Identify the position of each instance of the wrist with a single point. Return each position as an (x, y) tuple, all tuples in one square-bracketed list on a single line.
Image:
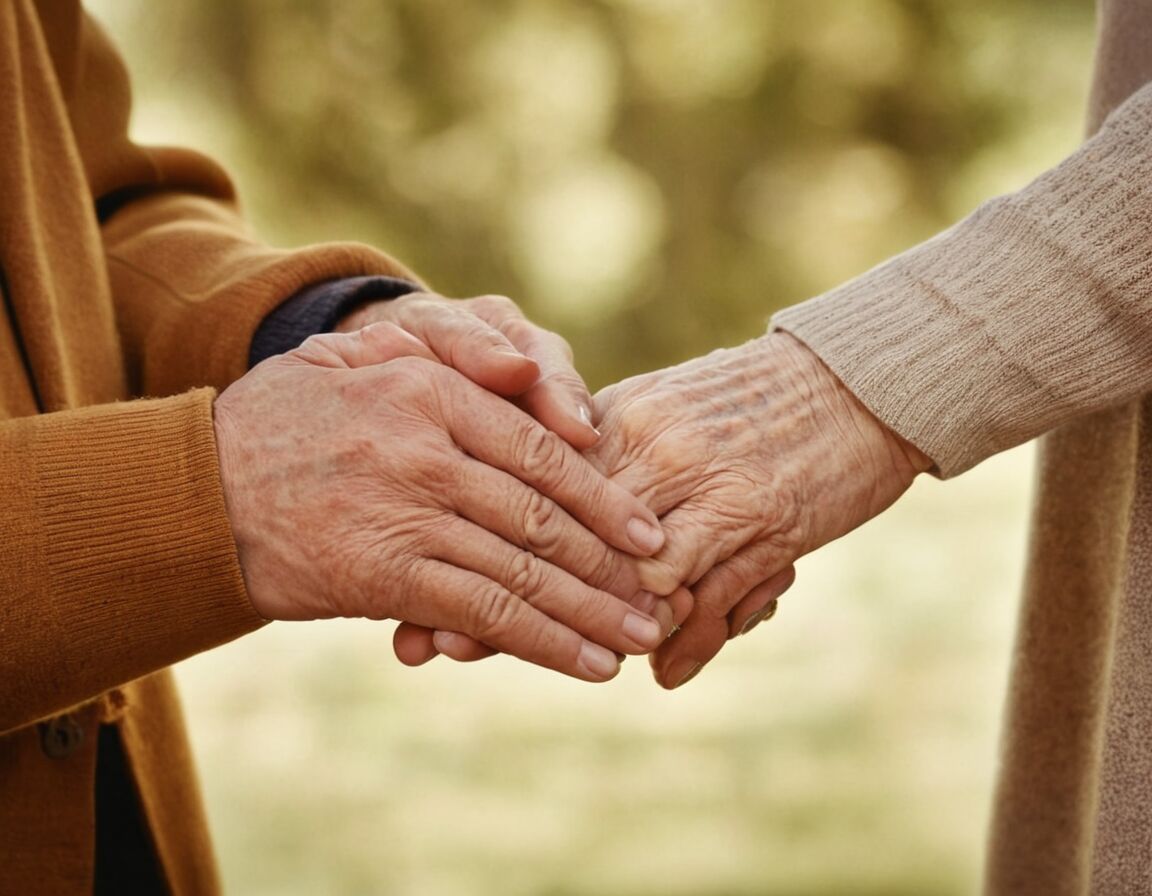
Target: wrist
[(236, 500), (882, 463), (321, 308)]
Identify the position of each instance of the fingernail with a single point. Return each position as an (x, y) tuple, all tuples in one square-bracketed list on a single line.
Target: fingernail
[(586, 419), (599, 661), (643, 630), (645, 536), (756, 618), (683, 672)]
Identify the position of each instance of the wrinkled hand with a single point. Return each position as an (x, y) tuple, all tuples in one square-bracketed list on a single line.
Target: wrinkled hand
[(489, 340), (364, 478), (753, 457)]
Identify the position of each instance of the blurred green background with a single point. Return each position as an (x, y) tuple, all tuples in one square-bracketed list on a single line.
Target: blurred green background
[(652, 178)]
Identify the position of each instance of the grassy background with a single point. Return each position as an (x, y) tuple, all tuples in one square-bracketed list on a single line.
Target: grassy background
[(653, 178)]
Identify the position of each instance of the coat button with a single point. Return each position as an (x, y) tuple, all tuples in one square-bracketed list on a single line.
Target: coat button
[(61, 737)]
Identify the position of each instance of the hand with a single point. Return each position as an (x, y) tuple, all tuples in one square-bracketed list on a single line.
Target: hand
[(364, 478), (489, 341), (752, 457)]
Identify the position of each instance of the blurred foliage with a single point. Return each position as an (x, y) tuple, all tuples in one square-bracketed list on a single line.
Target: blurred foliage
[(651, 177)]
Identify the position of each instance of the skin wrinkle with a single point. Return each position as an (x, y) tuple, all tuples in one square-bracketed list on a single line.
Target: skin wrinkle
[(831, 405), (389, 510), (763, 457)]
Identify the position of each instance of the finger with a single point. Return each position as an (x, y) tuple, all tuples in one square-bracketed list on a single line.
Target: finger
[(724, 588), (679, 659), (529, 520), (759, 604), (680, 602), (375, 344), (507, 439), (413, 644), (703, 531), (715, 596), (465, 341), (461, 648), (559, 399), (425, 643), (594, 614), (450, 598), (657, 607)]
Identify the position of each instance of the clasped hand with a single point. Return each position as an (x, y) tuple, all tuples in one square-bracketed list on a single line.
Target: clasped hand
[(365, 477), (752, 457), (380, 473)]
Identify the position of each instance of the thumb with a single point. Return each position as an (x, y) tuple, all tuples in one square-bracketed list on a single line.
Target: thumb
[(376, 343)]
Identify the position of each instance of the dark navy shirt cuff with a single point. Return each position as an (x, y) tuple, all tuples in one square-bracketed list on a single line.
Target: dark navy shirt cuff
[(316, 309)]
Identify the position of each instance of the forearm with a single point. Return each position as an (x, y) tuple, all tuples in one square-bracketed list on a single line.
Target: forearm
[(1033, 311), (192, 287)]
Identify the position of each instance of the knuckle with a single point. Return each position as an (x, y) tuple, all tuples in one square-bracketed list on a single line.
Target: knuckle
[(540, 523), (562, 345), (658, 575), (540, 452), (567, 379), (525, 574), (493, 614), (496, 305), (436, 474), (320, 349), (786, 521), (409, 380), (313, 342), (408, 370), (518, 329)]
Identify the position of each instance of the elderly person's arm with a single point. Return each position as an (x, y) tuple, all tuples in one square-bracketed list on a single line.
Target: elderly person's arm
[(1033, 312)]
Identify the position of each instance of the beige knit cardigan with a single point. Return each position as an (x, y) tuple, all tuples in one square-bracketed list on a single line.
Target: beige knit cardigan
[(116, 556), (1034, 316)]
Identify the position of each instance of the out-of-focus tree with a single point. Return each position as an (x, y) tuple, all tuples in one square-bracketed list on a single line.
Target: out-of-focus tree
[(652, 177)]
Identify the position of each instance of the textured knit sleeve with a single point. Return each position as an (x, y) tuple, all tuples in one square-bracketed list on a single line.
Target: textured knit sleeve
[(118, 557), (191, 287), (1034, 310)]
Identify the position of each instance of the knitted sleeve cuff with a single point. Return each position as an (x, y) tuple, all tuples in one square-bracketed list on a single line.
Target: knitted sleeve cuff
[(317, 309), (1033, 311)]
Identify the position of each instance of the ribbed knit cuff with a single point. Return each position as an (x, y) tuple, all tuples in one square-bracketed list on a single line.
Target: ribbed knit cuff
[(915, 342), (133, 562), (317, 309), (1031, 312)]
